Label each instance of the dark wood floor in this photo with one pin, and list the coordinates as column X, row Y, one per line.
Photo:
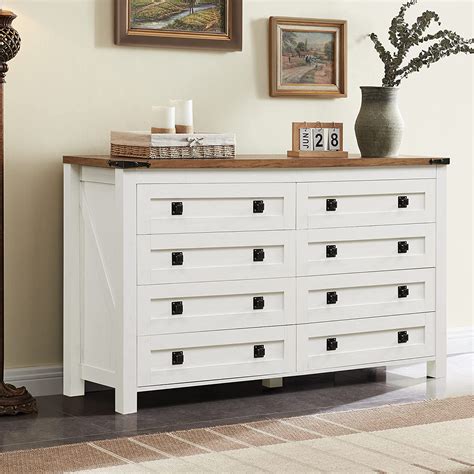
column 63, row 420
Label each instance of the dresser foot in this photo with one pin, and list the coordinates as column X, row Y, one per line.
column 436, row 369
column 125, row 402
column 273, row 383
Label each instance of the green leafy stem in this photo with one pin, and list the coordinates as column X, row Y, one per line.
column 403, row 37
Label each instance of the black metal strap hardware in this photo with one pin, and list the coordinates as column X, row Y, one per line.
column 259, row 351
column 331, row 344
column 258, row 302
column 177, row 358
column 402, row 337
column 440, row 161
column 176, row 307
column 177, row 258
column 258, row 207
column 331, row 205
column 125, row 165
column 177, row 208
column 258, row 255
column 331, row 251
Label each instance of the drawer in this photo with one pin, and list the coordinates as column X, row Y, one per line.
column 190, row 307
column 192, row 357
column 178, row 258
column 360, row 203
column 365, row 249
column 336, row 297
column 178, row 208
column 365, row 341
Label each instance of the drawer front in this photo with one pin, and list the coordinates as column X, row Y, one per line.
column 364, row 249
column 212, row 257
column 365, row 341
column 183, row 208
column 359, row 203
column 192, row 357
column 191, row 307
column 336, row 297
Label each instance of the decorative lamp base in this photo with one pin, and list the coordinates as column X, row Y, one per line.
column 14, row 401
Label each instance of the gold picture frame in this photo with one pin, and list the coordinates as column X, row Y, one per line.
column 308, row 57
column 149, row 23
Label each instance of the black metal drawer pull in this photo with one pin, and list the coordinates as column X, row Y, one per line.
column 258, row 255
column 331, row 205
column 176, row 208
column 258, row 302
column 402, row 337
column 331, row 251
column 331, row 297
column 403, row 202
column 177, row 307
column 177, row 358
column 177, row 258
column 258, row 207
column 259, row 351
column 403, row 291
column 331, row 344
column 403, row 246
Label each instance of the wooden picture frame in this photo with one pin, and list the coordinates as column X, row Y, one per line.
column 127, row 33
column 318, row 49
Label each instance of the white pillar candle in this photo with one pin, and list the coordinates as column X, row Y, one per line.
column 163, row 119
column 184, row 115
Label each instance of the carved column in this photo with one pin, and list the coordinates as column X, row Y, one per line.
column 12, row 400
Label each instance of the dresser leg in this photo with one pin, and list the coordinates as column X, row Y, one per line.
column 125, row 401
column 273, row 383
column 436, row 369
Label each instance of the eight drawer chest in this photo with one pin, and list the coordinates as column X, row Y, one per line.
column 192, row 272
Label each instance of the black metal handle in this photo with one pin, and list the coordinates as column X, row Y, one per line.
column 177, row 258
column 258, row 302
column 259, row 351
column 402, row 337
column 331, row 205
column 331, row 251
column 258, row 255
column 331, row 344
column 177, row 358
column 331, row 297
column 403, row 291
column 403, row 246
column 258, row 207
column 403, row 202
column 176, row 307
column 176, row 208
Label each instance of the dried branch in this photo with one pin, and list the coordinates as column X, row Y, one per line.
column 404, row 37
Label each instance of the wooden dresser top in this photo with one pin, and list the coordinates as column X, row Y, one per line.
column 260, row 161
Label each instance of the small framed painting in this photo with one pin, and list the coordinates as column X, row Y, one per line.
column 308, row 57
column 211, row 24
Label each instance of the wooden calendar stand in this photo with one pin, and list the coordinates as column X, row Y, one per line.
column 296, row 151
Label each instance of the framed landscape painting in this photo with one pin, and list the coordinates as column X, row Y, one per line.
column 308, row 57
column 212, row 24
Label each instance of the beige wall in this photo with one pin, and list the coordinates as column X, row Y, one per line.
column 70, row 86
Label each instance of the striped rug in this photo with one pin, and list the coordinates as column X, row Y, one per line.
column 429, row 436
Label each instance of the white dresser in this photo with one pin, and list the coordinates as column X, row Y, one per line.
column 198, row 272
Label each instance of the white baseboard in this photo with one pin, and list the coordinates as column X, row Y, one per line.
column 39, row 381
column 461, row 340
column 49, row 380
